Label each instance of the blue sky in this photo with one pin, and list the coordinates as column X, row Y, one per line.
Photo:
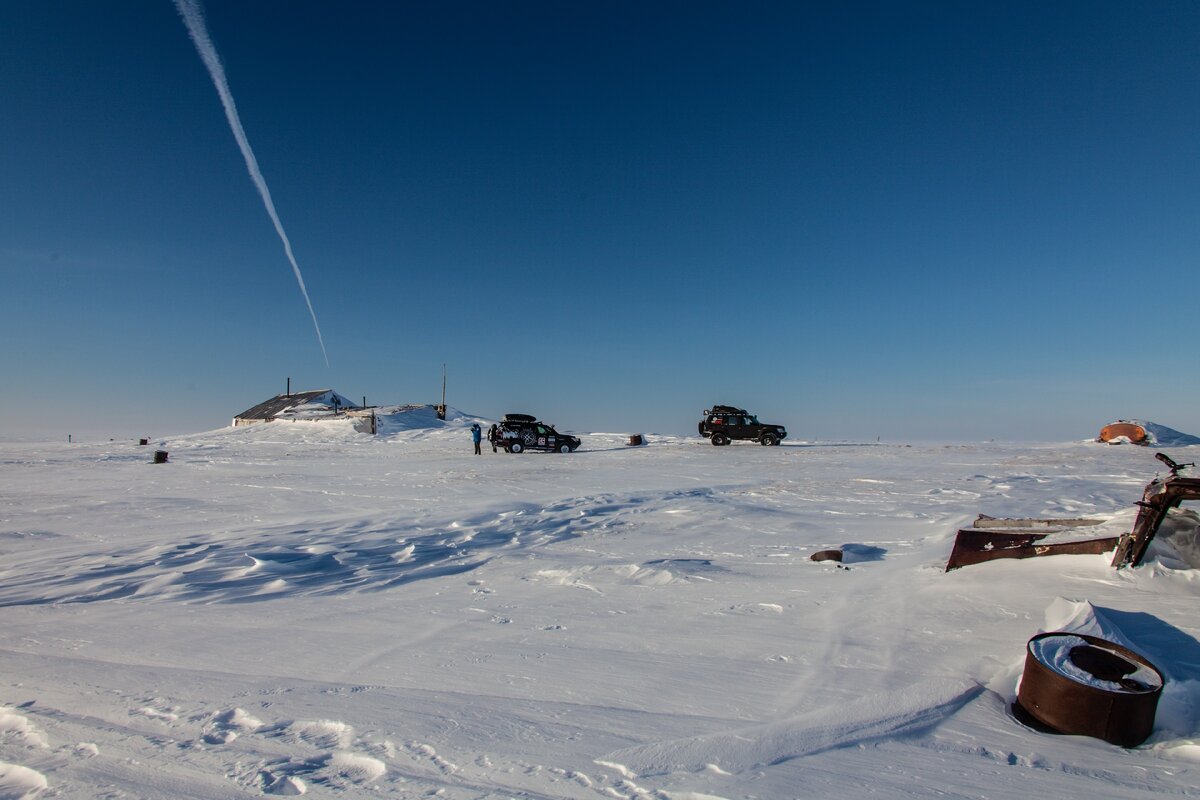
column 910, row 221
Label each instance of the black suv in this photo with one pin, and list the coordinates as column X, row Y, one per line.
column 519, row 432
column 723, row 424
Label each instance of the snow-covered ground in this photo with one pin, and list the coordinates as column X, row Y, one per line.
column 296, row 608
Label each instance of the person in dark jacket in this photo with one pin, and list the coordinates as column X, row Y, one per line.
column 476, row 436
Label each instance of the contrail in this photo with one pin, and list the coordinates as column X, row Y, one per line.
column 193, row 17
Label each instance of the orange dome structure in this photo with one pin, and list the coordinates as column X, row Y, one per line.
column 1124, row 430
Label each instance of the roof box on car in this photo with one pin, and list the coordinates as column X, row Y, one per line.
column 727, row 410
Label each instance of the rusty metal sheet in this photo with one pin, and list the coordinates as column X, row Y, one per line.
column 973, row 546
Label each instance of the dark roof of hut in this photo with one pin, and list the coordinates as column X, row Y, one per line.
column 280, row 403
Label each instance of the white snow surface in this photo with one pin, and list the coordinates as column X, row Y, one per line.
column 301, row 609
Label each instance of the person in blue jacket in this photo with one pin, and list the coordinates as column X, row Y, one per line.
column 476, row 436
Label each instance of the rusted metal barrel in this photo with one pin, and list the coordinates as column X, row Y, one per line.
column 1084, row 685
column 143, row 441
column 160, row 456
column 635, row 439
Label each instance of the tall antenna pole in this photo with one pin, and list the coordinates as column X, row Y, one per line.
column 441, row 410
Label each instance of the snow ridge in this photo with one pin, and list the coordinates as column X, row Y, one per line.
column 893, row 714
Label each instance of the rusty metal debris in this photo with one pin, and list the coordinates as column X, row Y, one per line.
column 1079, row 684
column 1159, row 497
column 993, row 538
column 998, row 523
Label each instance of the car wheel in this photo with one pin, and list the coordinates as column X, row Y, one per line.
column 769, row 440
column 719, row 439
column 516, row 447
column 564, row 448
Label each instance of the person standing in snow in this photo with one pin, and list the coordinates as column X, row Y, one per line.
column 476, row 436
column 494, row 436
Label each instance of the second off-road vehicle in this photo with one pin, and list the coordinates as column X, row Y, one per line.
column 723, row 424
column 519, row 432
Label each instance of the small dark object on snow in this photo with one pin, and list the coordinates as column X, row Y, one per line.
column 143, row 441
column 826, row 555
column 1071, row 704
column 1158, row 498
column 160, row 456
column 636, row 440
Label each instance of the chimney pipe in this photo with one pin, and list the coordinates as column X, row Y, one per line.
column 441, row 409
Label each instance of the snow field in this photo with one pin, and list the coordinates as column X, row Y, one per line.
column 298, row 609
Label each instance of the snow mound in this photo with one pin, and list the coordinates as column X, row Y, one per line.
column 1177, row 543
column 238, row 718
column 397, row 419
column 19, row 783
column 1167, row 437
column 353, row 767
column 323, row 431
column 15, row 728
column 324, row 733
